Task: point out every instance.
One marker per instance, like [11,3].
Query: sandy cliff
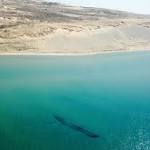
[42,27]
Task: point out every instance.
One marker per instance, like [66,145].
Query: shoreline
[68,54]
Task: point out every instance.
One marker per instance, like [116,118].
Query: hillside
[44,27]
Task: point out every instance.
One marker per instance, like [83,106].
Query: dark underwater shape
[76,127]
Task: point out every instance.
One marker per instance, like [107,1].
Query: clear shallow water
[106,94]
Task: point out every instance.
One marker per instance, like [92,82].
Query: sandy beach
[69,54]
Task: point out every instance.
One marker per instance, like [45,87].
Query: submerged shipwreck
[75,127]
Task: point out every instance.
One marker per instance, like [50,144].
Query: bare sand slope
[106,39]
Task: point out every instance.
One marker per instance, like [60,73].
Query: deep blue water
[108,95]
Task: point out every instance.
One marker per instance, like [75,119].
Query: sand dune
[107,39]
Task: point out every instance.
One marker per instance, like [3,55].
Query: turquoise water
[105,94]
